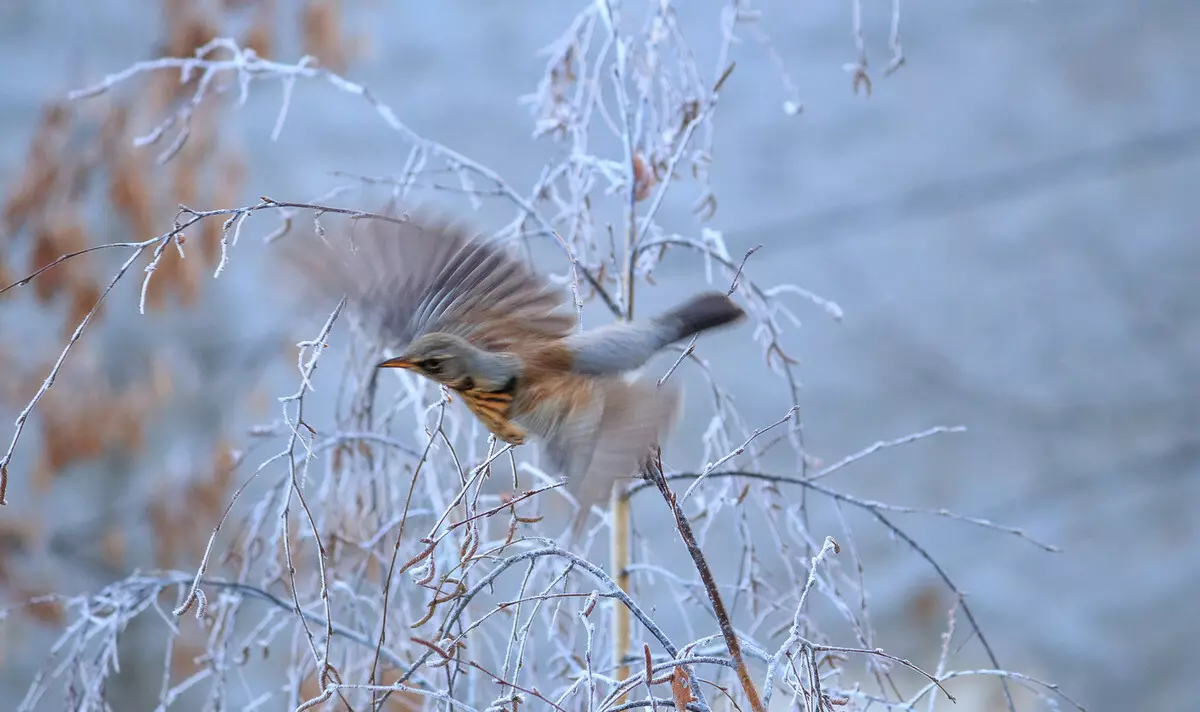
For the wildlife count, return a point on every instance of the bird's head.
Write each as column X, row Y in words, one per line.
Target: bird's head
column 445, row 358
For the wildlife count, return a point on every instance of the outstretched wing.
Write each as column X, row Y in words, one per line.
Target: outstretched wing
column 599, row 431
column 405, row 277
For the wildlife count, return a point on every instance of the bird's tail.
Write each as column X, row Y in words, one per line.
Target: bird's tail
column 700, row 313
column 624, row 346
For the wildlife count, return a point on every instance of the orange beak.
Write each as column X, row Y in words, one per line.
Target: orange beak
column 395, row 363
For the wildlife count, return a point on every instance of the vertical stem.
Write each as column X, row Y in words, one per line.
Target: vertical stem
column 619, row 505
column 619, row 551
column 619, row 543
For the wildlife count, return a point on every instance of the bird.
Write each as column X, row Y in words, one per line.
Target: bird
column 457, row 307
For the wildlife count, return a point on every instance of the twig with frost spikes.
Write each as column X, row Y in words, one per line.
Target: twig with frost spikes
column 862, row 622
column 335, row 439
column 161, row 242
column 328, row 691
column 590, row 629
column 236, row 222
column 865, row 504
column 735, row 13
column 762, row 302
column 19, row 425
column 691, row 347
column 248, row 66
column 883, row 444
column 640, row 678
column 520, row 636
column 307, row 367
column 933, row 681
column 149, row 269
column 881, row 506
column 551, row 550
column 944, row 656
column 1032, row 683
column 532, row 692
column 387, row 581
column 503, row 607
column 195, row 593
column 829, row 306
column 684, row 141
column 712, row 466
column 877, row 512
column 794, row 637
column 63, row 258
column 655, row 474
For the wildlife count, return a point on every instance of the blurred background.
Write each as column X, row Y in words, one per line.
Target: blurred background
column 1007, row 221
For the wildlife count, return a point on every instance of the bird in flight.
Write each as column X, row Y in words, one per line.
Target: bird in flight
column 459, row 309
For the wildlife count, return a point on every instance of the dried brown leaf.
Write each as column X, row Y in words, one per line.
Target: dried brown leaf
column 681, row 688
column 644, row 178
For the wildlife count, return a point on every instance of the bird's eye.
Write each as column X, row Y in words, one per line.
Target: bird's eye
column 432, row 366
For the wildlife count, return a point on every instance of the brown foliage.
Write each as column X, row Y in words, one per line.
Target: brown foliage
column 84, row 416
column 261, row 35
column 61, row 233
column 321, row 21
column 129, row 188
column 85, row 294
column 186, row 656
column 229, row 174
column 190, row 26
column 15, row 537
column 42, row 168
column 181, row 519
column 86, row 421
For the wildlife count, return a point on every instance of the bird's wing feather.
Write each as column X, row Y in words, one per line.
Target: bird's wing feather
column 609, row 437
column 426, row 274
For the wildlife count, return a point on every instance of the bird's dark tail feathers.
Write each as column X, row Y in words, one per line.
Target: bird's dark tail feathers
column 624, row 346
column 700, row 313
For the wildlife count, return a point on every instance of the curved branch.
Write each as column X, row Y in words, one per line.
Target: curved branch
column 876, row 510
column 553, row 550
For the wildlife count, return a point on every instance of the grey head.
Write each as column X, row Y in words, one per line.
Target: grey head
column 456, row 363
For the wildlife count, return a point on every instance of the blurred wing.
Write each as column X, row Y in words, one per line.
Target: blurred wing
column 609, row 438
column 425, row 274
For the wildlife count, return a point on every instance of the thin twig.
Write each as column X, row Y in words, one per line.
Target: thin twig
column 655, row 474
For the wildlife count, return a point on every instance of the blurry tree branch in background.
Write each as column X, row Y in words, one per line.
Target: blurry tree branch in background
column 356, row 555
